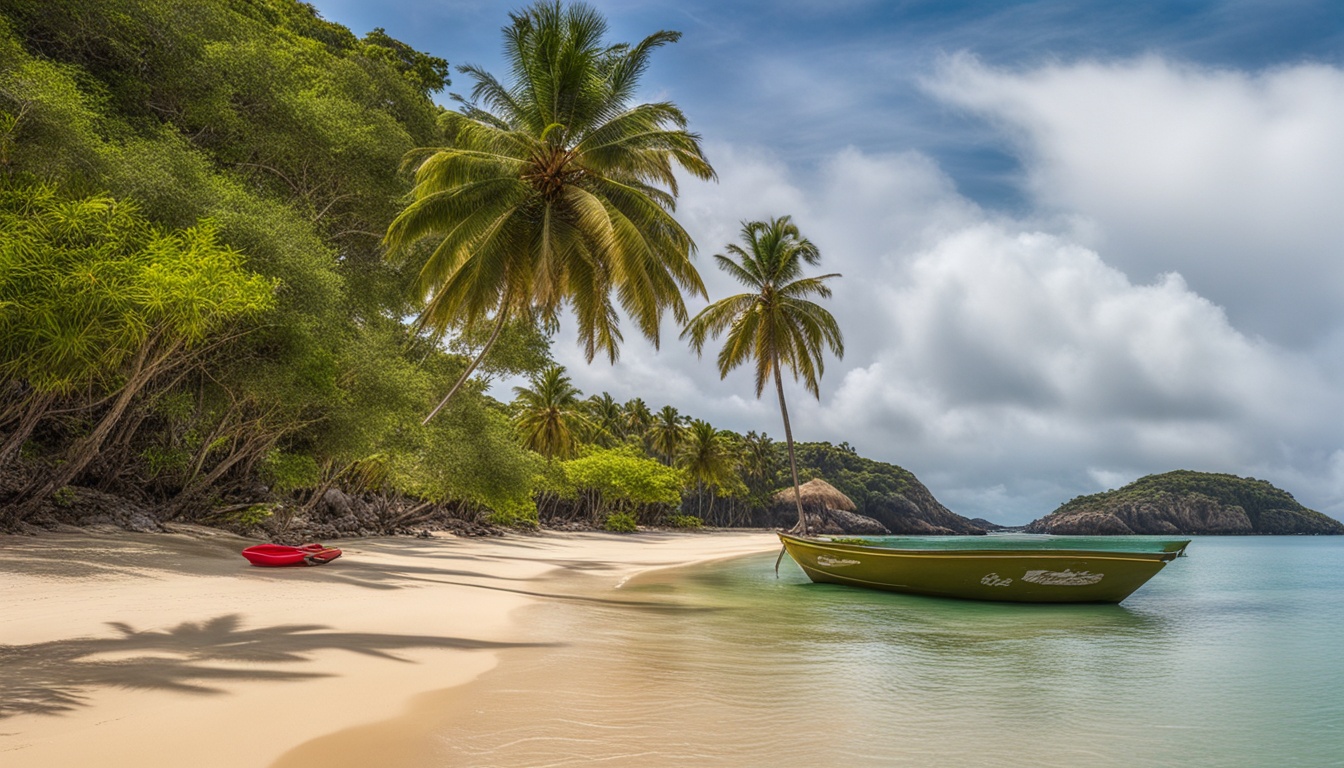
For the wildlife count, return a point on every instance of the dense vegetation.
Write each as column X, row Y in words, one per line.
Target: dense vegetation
column 197, row 311
column 197, row 314
column 668, row 468
column 1188, row 502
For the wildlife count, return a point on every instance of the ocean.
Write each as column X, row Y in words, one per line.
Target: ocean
column 1232, row 656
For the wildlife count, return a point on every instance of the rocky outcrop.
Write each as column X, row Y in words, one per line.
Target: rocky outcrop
column 889, row 494
column 93, row 509
column 825, row 509
column 1187, row 503
column 916, row 512
column 338, row 515
column 1191, row 514
column 836, row 521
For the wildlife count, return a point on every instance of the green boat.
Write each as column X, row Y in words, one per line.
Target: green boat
column 1013, row 568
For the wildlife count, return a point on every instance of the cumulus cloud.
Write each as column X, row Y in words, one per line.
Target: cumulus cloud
column 859, row 209
column 1143, row 316
column 1021, row 358
column 1233, row 178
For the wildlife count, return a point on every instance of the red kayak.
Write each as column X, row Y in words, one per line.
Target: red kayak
column 279, row 555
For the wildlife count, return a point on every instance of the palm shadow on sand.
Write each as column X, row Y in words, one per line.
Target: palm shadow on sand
column 54, row 677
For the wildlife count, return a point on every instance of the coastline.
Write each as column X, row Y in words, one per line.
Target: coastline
column 131, row 649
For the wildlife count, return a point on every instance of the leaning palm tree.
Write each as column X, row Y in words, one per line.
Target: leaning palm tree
column 556, row 190
column 774, row 324
column 667, row 433
column 549, row 415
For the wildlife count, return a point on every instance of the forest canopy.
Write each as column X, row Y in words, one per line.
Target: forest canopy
column 257, row 147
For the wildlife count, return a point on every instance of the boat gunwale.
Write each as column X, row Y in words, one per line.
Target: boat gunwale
column 983, row 554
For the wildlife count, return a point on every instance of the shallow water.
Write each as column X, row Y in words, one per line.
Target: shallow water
column 1228, row 657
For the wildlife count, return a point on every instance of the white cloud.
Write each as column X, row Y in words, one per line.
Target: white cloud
column 1232, row 178
column 1139, row 320
column 1015, row 354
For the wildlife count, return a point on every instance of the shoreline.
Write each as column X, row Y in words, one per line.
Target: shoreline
column 132, row 648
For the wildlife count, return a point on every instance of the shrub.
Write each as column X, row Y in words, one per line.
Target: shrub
column 514, row 518
column 252, row 516
column 685, row 521
column 620, row 522
column 290, row 471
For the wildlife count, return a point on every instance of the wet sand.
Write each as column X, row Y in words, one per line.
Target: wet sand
column 123, row 649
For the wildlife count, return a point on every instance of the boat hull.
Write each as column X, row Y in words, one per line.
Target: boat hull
column 282, row 556
column 1025, row 575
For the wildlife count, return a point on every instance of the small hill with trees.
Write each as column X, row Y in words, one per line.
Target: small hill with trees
column 1185, row 502
column 885, row 492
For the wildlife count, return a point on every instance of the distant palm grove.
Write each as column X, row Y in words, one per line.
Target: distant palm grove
column 247, row 262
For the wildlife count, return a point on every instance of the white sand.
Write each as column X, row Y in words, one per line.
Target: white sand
column 169, row 650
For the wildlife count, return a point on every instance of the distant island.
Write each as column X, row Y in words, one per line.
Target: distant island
column 884, row 498
column 1187, row 503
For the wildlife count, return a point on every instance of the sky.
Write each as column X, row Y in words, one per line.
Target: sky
column 1081, row 242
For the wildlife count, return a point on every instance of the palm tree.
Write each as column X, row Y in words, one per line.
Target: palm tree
column 666, row 433
column 759, row 462
column 774, row 324
column 638, row 418
column 556, row 190
column 549, row 415
column 707, row 457
column 608, row 419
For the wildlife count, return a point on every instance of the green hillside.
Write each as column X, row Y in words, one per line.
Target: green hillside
column 1188, row 502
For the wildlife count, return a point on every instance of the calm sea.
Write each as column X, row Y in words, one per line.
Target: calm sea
column 1233, row 656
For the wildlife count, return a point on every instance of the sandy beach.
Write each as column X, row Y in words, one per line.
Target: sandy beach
column 124, row 649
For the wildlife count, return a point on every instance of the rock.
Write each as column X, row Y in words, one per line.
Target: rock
column 337, row 503
column 142, row 524
column 852, row 522
column 902, row 515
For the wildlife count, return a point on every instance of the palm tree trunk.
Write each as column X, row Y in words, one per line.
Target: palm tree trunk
column 499, row 326
column 793, row 462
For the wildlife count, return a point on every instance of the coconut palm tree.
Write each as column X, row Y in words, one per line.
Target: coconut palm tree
column 549, row 415
column 638, row 418
column 759, row 462
column 667, row 433
column 608, row 419
column 774, row 324
column 707, row 456
column 556, row 190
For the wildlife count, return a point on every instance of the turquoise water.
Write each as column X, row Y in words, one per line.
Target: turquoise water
column 1228, row 657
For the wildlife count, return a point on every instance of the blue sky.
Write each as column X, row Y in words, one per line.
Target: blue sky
column 1082, row 241
column 732, row 70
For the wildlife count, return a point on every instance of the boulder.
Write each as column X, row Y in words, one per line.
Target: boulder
column 836, row 521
